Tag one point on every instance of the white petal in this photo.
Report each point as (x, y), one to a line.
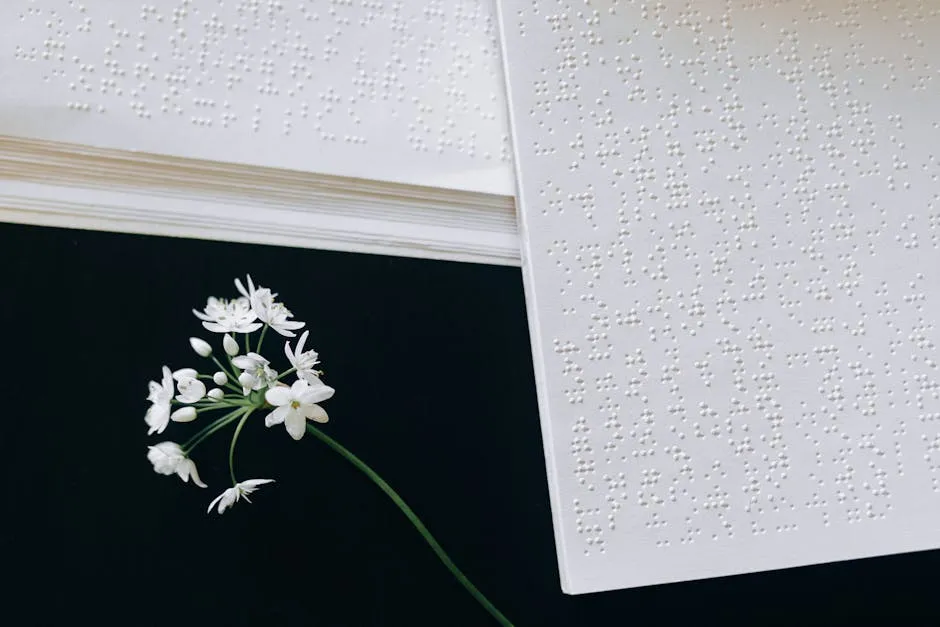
(243, 362)
(316, 393)
(228, 499)
(185, 373)
(278, 396)
(157, 418)
(253, 483)
(241, 288)
(296, 424)
(215, 394)
(315, 413)
(276, 417)
(291, 357)
(302, 341)
(214, 501)
(195, 475)
(246, 380)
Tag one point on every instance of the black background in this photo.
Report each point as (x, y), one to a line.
(432, 367)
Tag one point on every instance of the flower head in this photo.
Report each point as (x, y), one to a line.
(168, 458)
(257, 373)
(296, 404)
(158, 414)
(240, 490)
(228, 316)
(302, 361)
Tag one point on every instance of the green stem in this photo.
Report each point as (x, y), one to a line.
(409, 513)
(247, 348)
(261, 339)
(227, 419)
(285, 373)
(231, 449)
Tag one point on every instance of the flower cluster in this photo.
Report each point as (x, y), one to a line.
(243, 385)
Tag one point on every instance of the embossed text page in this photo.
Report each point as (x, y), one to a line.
(405, 92)
(731, 216)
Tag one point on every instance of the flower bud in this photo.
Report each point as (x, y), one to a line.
(220, 378)
(230, 345)
(201, 347)
(185, 373)
(215, 394)
(184, 414)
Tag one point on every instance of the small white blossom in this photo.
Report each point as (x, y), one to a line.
(273, 313)
(184, 414)
(228, 316)
(302, 361)
(168, 458)
(240, 490)
(158, 414)
(191, 389)
(201, 347)
(230, 345)
(215, 394)
(257, 373)
(219, 378)
(296, 404)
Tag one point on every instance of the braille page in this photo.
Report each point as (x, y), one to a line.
(406, 92)
(731, 224)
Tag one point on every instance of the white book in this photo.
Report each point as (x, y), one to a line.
(366, 126)
(730, 215)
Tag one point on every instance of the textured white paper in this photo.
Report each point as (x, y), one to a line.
(731, 217)
(408, 92)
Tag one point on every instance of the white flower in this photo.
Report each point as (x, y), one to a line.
(158, 414)
(272, 313)
(296, 404)
(215, 394)
(191, 390)
(184, 414)
(302, 361)
(230, 345)
(201, 347)
(241, 490)
(219, 378)
(257, 374)
(228, 316)
(168, 458)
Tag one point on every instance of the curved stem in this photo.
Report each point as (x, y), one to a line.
(409, 513)
(285, 373)
(194, 441)
(231, 448)
(261, 339)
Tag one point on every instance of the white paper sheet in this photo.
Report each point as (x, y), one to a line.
(731, 222)
(407, 92)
